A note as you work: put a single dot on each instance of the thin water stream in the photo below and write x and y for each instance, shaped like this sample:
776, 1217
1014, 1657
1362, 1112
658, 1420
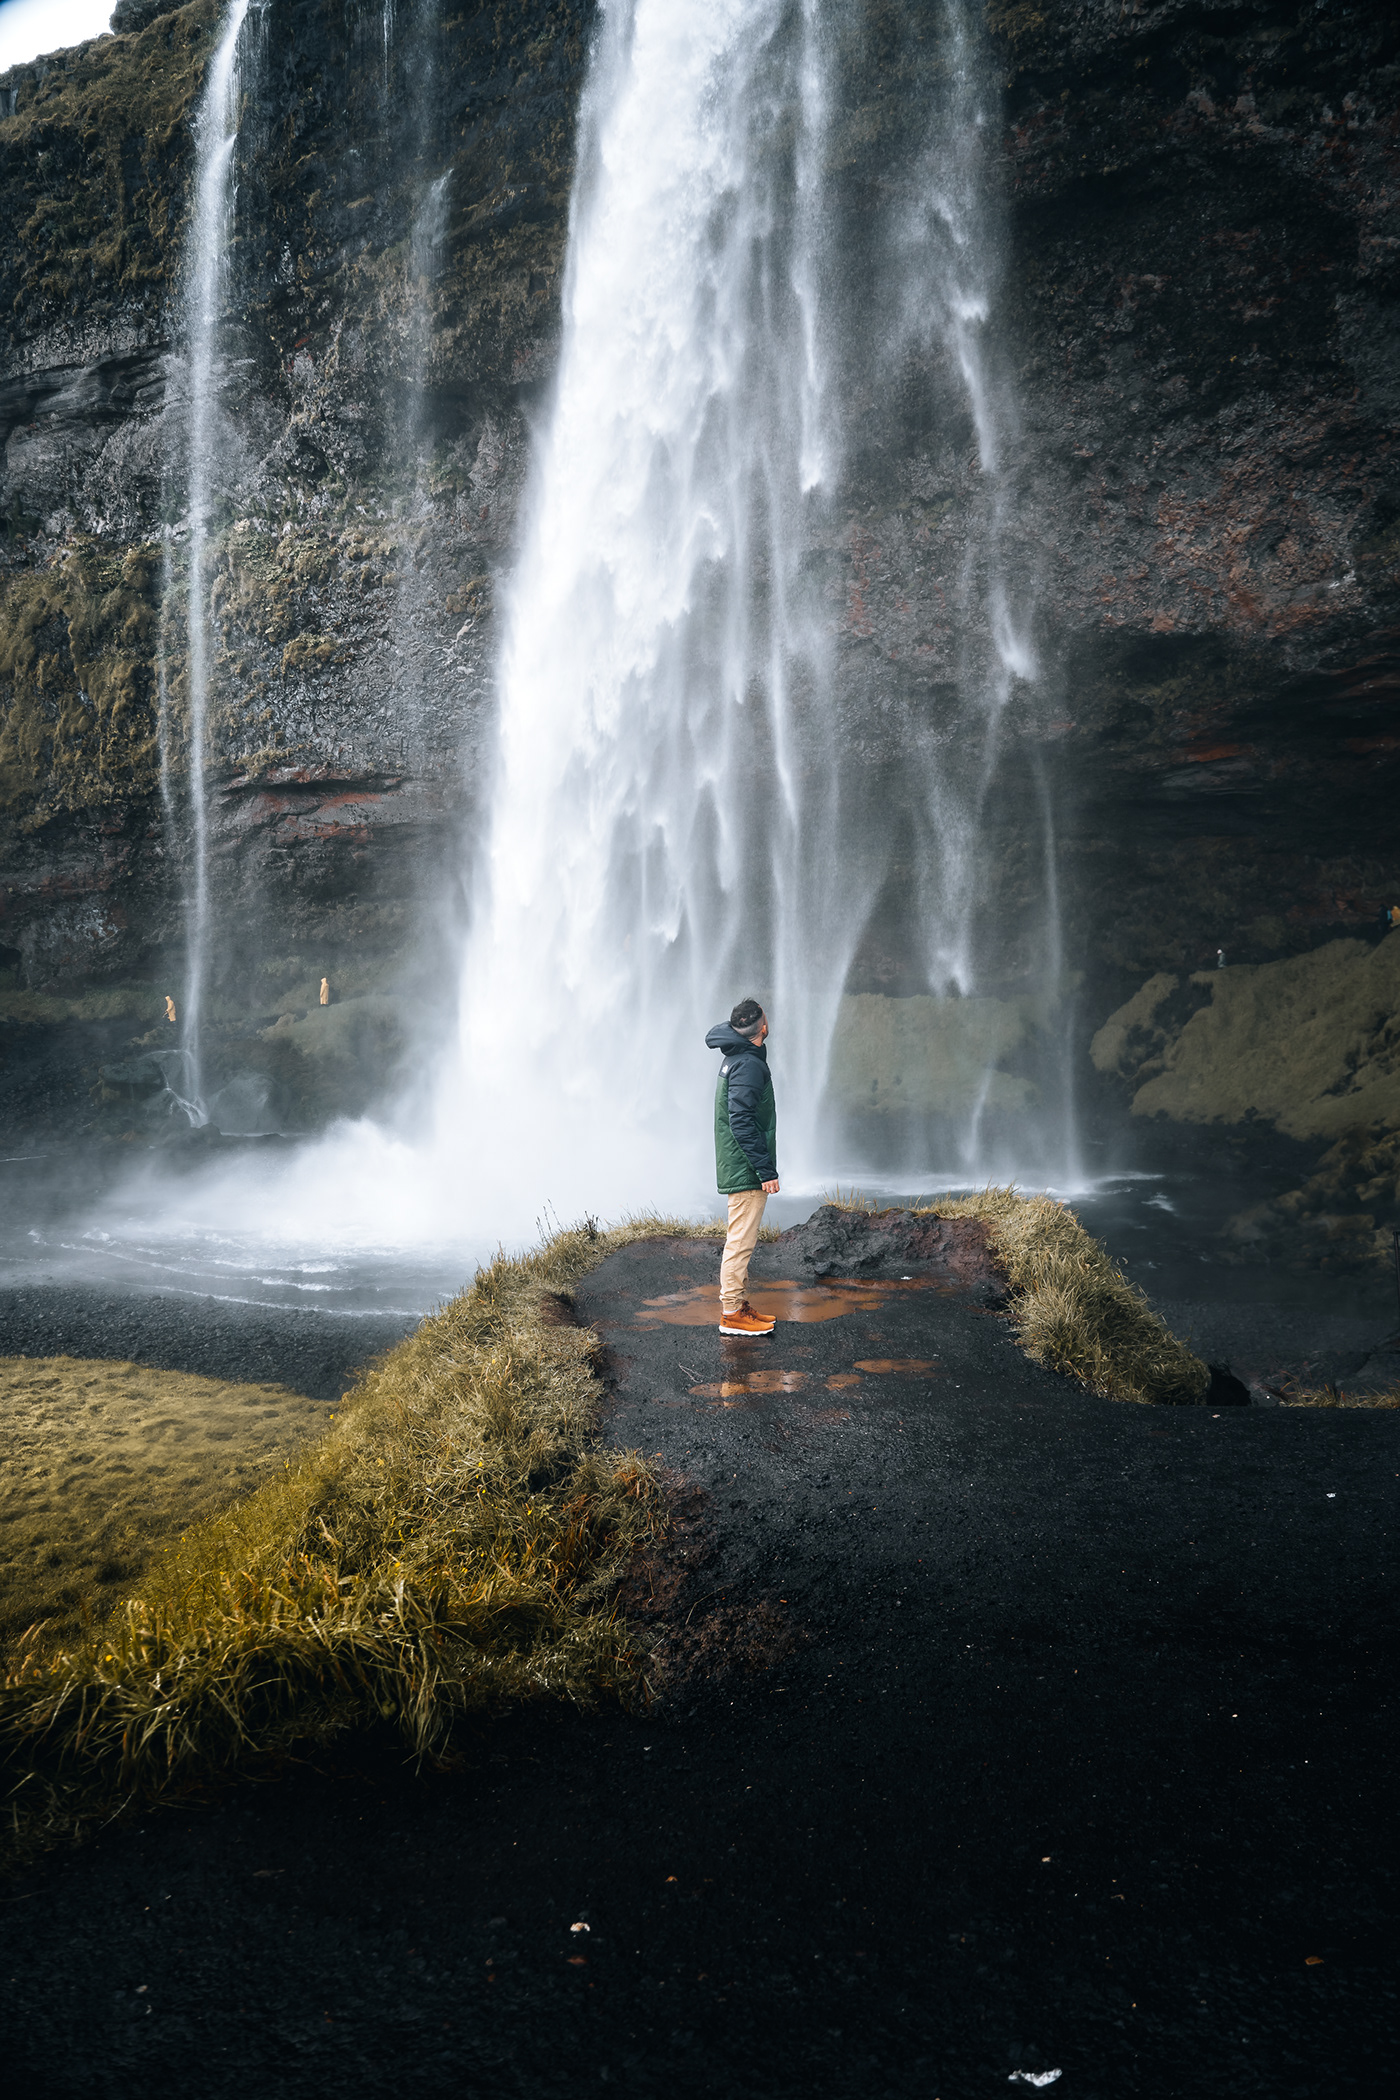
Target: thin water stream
204, 443
416, 37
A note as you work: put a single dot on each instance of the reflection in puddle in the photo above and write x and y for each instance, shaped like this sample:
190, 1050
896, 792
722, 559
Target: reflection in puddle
754, 1382
699, 1306
753, 1391
752, 1385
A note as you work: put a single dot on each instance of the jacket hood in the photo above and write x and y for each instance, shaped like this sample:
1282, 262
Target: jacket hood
723, 1037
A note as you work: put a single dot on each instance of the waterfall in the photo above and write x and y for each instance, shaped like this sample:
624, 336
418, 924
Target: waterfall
216, 136
671, 824
664, 793
418, 662
946, 262
682, 806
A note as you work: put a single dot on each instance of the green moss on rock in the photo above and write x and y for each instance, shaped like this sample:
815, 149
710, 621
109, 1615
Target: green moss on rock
122, 1002
1310, 1044
86, 161
78, 722
927, 1056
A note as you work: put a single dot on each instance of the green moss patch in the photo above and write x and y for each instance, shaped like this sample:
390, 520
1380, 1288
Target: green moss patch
1341, 1217
104, 1464
926, 1056
1311, 1043
78, 709
133, 1002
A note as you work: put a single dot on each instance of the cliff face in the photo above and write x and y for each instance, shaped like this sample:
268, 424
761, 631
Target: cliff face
1208, 229
371, 450
1200, 278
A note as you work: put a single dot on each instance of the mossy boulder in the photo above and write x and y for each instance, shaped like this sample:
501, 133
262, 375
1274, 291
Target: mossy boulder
1310, 1044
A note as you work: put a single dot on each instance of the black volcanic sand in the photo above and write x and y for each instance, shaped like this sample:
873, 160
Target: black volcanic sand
1290, 1347
1056, 1734
212, 1337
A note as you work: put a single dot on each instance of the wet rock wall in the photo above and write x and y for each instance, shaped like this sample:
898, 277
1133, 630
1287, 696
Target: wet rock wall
380, 362
1199, 289
1208, 244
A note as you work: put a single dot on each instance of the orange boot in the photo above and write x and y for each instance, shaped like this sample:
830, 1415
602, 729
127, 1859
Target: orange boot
745, 1321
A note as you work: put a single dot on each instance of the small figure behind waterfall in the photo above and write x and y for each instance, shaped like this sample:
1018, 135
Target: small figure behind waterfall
746, 1164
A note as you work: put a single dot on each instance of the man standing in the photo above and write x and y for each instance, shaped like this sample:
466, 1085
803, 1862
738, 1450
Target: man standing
746, 1166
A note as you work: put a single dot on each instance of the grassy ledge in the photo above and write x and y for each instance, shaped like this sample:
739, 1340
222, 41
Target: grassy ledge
448, 1547
451, 1545
1071, 1305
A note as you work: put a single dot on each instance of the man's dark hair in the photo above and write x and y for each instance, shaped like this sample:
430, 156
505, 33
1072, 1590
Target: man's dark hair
746, 1016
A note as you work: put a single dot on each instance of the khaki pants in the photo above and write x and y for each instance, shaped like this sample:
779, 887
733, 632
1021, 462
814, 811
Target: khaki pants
745, 1217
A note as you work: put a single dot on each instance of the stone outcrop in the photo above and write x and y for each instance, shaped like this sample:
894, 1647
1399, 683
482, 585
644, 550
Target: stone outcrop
954, 1252
1208, 240
1199, 285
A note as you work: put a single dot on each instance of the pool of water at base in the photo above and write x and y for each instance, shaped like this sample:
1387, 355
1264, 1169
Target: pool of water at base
59, 1226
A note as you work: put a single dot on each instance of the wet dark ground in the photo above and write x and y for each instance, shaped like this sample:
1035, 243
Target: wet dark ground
1059, 1734
203, 1335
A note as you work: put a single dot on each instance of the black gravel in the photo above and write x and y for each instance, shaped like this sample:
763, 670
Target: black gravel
1074, 1742
1293, 1344
184, 1332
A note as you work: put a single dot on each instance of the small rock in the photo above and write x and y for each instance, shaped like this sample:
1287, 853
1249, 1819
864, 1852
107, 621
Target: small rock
1225, 1390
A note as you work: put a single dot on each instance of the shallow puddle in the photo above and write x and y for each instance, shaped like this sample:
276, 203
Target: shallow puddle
700, 1307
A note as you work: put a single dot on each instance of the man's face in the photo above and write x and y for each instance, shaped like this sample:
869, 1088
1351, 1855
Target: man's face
760, 1033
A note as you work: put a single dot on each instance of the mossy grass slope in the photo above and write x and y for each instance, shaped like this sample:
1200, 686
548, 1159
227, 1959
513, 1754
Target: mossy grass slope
1072, 1306
448, 1547
105, 1463
1337, 1396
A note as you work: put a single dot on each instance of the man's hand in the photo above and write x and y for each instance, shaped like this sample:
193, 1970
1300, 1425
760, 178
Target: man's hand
770, 1188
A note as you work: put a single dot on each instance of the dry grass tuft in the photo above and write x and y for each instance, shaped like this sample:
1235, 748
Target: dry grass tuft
1333, 1396
1073, 1308
447, 1547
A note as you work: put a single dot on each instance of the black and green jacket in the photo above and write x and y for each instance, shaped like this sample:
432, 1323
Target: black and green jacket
746, 1115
